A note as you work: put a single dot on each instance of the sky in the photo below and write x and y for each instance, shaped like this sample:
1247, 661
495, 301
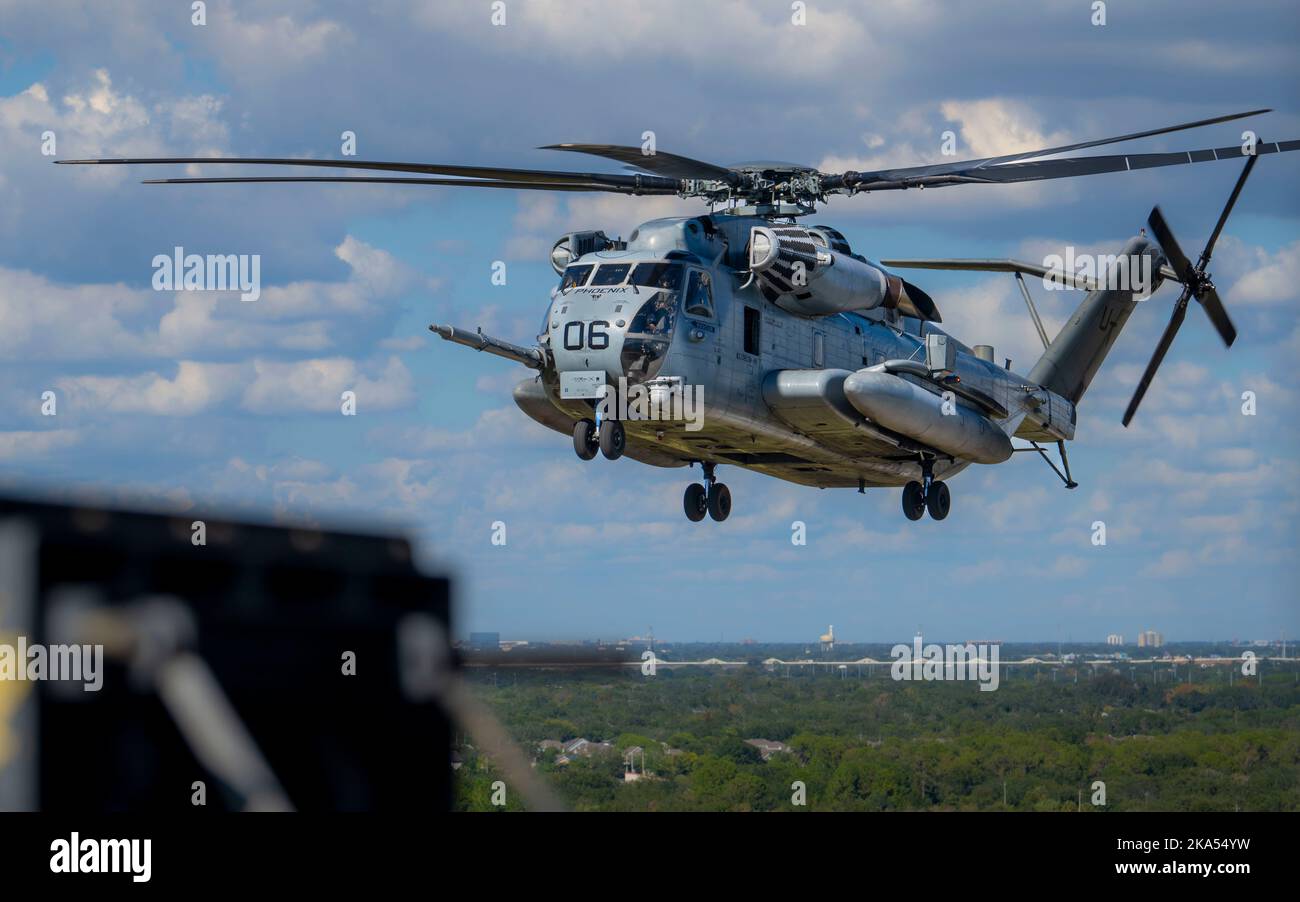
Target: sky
199, 403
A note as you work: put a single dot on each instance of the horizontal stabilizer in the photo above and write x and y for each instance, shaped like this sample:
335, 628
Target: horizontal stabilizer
1057, 276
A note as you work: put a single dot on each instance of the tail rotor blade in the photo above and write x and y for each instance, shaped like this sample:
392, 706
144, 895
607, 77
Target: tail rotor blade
1223, 217
1214, 310
1167, 339
1165, 238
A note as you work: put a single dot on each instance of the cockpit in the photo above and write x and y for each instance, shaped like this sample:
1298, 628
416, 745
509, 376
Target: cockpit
657, 293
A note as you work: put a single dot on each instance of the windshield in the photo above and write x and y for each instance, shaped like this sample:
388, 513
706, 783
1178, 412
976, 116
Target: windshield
611, 274
658, 275
576, 276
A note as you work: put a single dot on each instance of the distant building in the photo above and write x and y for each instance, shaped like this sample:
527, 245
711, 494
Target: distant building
585, 748
1150, 639
768, 747
1114, 639
485, 641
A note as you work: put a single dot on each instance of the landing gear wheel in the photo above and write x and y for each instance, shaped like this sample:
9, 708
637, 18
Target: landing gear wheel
719, 501
938, 501
612, 439
913, 501
696, 502
584, 439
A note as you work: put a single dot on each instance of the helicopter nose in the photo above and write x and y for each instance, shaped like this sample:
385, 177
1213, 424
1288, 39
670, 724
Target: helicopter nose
586, 337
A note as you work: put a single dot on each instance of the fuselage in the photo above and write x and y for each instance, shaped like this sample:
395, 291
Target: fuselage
678, 309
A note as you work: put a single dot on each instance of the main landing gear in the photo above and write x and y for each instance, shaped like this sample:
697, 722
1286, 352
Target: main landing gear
609, 439
712, 498
918, 497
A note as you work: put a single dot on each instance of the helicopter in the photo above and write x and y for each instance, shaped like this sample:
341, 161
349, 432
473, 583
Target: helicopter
742, 337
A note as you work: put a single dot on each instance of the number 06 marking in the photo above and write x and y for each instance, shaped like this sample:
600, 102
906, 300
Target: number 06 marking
597, 339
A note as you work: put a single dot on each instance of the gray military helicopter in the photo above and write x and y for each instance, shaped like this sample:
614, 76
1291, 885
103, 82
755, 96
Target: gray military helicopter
806, 360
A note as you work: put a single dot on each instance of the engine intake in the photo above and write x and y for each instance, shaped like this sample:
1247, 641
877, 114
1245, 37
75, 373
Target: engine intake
811, 272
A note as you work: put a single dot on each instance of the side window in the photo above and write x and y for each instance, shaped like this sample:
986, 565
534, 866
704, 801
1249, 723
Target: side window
699, 295
752, 336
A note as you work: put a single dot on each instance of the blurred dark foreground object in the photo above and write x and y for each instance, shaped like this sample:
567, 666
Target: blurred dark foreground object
281, 668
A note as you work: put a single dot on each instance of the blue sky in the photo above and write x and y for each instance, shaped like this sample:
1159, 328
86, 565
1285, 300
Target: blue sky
197, 402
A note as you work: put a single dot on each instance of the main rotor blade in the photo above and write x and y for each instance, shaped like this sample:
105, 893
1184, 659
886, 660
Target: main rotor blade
1223, 217
661, 163
1213, 306
1175, 321
1065, 148
388, 180
539, 176
1038, 170
967, 165
1173, 252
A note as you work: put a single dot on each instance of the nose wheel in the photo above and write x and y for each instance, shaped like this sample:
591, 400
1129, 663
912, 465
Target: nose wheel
585, 443
712, 498
696, 502
612, 439
927, 495
609, 439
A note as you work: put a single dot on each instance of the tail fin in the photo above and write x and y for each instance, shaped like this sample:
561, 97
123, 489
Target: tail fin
1075, 355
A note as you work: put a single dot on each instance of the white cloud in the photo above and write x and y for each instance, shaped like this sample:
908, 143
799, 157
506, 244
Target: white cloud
100, 121
986, 127
996, 126
28, 445
261, 386
1172, 563
279, 44
194, 388
722, 35
43, 319
1270, 278
317, 385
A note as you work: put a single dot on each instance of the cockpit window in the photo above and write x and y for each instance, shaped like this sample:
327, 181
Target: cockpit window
576, 276
658, 275
611, 274
656, 317
699, 294
648, 337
